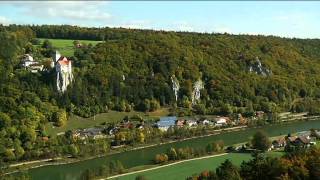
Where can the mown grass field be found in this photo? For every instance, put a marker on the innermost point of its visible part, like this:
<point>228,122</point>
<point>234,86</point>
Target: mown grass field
<point>65,46</point>
<point>185,169</point>
<point>76,122</point>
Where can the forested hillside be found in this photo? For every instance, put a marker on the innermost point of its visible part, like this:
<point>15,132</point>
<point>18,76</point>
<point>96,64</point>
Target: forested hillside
<point>135,65</point>
<point>132,69</point>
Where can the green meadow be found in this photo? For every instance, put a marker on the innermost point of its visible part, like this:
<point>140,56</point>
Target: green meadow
<point>76,122</point>
<point>66,47</point>
<point>185,169</point>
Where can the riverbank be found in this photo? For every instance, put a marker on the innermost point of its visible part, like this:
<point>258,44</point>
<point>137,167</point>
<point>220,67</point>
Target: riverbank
<point>183,161</point>
<point>68,160</point>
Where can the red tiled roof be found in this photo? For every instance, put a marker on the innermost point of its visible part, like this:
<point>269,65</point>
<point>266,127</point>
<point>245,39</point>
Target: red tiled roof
<point>63,61</point>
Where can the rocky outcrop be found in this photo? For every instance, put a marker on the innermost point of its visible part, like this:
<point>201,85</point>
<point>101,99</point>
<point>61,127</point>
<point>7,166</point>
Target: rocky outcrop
<point>175,86</point>
<point>258,68</point>
<point>198,85</point>
<point>64,73</point>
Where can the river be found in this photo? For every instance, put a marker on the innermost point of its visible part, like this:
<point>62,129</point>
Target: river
<point>144,156</point>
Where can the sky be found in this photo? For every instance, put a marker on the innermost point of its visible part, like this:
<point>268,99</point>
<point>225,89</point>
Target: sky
<point>300,19</point>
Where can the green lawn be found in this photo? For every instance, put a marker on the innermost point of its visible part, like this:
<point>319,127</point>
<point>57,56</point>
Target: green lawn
<point>278,153</point>
<point>65,46</point>
<point>183,170</point>
<point>76,122</point>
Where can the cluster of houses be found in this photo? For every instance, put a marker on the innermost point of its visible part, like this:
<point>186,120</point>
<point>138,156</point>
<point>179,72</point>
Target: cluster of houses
<point>163,124</point>
<point>302,139</point>
<point>94,133</point>
<point>172,121</point>
<point>104,132</point>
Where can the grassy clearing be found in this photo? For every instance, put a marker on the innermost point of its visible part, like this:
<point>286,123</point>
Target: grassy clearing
<point>65,46</point>
<point>76,122</point>
<point>275,154</point>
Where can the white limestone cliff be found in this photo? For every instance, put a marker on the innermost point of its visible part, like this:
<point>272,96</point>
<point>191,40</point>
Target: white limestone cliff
<point>259,69</point>
<point>175,86</point>
<point>197,87</point>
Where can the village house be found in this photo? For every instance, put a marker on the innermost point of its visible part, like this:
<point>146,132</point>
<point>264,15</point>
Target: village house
<point>94,133</point>
<point>222,121</point>
<point>259,114</point>
<point>278,143</point>
<point>301,141</point>
<point>27,60</point>
<point>30,64</point>
<point>192,123</point>
<point>34,68</point>
<point>114,130</point>
<point>166,122</point>
<point>241,120</point>
<point>291,139</point>
<point>206,122</point>
<point>180,123</point>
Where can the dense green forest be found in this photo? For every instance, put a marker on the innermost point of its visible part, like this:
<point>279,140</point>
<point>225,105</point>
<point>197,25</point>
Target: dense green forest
<point>132,69</point>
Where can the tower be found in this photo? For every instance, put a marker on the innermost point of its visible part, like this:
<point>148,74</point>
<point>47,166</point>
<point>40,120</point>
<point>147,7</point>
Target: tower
<point>64,73</point>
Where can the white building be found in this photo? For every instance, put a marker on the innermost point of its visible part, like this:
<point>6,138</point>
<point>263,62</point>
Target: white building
<point>221,121</point>
<point>27,60</point>
<point>192,123</point>
<point>64,73</point>
<point>29,63</point>
<point>206,122</point>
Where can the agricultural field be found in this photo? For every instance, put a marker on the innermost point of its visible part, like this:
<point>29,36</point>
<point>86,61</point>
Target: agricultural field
<point>66,47</point>
<point>76,122</point>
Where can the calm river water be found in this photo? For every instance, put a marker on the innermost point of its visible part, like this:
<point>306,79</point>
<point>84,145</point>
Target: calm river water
<point>144,156</point>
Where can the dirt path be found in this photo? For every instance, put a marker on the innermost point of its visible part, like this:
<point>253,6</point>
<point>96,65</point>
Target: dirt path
<point>158,167</point>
